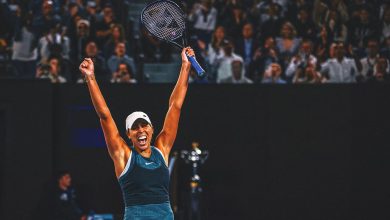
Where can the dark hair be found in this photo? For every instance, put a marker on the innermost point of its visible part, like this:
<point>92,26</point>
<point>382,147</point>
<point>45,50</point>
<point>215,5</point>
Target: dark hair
<point>61,173</point>
<point>130,70</point>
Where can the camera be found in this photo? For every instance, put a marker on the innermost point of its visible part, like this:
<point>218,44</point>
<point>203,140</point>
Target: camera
<point>45,68</point>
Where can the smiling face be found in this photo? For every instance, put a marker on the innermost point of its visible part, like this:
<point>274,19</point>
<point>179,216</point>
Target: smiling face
<point>140,133</point>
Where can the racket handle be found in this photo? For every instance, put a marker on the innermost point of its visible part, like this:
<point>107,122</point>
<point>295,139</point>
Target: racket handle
<point>199,70</point>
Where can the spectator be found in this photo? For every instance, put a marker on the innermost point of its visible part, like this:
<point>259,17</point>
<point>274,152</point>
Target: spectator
<point>385,25</point>
<point>81,39</point>
<point>341,7</point>
<point>306,28</point>
<point>362,29</point>
<point>117,35</point>
<point>24,52</point>
<point>51,71</point>
<point>271,24</point>
<point>294,6</point>
<point>385,48</point>
<point>246,45</point>
<point>336,30</point>
<point>101,72</point>
<point>340,69</point>
<point>263,57</point>
<point>204,17</point>
<point>70,19</point>
<point>91,16</point>
<point>235,22</point>
<point>273,75</point>
<point>64,205</point>
<point>306,75</point>
<point>123,75</point>
<point>43,22</point>
<point>153,49</point>
<point>35,6</point>
<point>215,48</point>
<point>368,63</point>
<point>303,58</point>
<point>54,44</point>
<point>103,27</point>
<point>238,76</point>
<point>223,62</point>
<point>287,44</point>
<point>381,73</point>
<point>120,57</point>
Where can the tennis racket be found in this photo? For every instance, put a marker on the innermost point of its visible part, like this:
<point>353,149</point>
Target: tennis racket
<point>165,20</point>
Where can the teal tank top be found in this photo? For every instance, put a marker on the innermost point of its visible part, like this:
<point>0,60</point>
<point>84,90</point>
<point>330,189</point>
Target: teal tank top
<point>145,180</point>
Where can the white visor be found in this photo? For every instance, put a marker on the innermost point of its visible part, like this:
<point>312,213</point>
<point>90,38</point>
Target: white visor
<point>134,116</point>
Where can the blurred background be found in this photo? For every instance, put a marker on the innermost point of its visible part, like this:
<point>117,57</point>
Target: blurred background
<point>277,150</point>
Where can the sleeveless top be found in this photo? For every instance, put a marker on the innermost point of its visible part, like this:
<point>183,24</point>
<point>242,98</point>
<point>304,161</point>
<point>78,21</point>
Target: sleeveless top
<point>145,180</point>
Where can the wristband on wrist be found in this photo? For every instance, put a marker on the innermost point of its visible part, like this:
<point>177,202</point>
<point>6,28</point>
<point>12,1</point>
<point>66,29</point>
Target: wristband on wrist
<point>89,78</point>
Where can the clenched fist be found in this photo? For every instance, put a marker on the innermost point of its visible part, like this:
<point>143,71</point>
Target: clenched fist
<point>86,67</point>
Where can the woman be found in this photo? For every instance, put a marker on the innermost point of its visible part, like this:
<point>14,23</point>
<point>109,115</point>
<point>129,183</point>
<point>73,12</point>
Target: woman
<point>117,36</point>
<point>287,44</point>
<point>142,169</point>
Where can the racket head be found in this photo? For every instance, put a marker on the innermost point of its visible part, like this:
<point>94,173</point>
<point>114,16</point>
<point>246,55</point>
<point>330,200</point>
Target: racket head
<point>165,20</point>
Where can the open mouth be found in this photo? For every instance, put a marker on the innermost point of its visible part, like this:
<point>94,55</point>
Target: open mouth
<point>142,140</point>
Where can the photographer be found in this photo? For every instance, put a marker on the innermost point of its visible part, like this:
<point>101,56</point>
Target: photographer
<point>302,59</point>
<point>50,70</point>
<point>272,75</point>
<point>123,75</point>
<point>306,75</point>
<point>223,62</point>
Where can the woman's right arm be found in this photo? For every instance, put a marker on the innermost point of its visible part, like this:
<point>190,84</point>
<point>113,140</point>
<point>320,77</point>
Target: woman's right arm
<point>117,147</point>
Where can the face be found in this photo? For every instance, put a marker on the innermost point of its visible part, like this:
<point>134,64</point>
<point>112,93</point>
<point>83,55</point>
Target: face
<point>372,48</point>
<point>107,12</point>
<point>220,33</point>
<point>381,65</point>
<point>286,31</point>
<point>237,69</point>
<point>116,32</point>
<point>47,7</point>
<point>140,134</point>
<point>339,50</point>
<point>306,48</point>
<point>364,16</point>
<point>54,65</point>
<point>303,15</point>
<point>228,49</point>
<point>247,31</point>
<point>123,68</point>
<point>91,49</point>
<point>83,29</point>
<point>65,180</point>
<point>269,43</point>
<point>276,70</point>
<point>120,49</point>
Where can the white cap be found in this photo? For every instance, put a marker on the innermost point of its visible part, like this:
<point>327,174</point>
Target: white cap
<point>134,116</point>
<point>82,21</point>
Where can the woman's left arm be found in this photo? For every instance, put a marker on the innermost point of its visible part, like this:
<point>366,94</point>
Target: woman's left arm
<point>167,136</point>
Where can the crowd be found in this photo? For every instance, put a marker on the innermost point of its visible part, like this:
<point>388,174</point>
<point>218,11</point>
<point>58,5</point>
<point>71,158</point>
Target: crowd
<point>237,41</point>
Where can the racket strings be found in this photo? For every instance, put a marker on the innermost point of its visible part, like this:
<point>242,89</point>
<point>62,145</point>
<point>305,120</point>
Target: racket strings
<point>164,20</point>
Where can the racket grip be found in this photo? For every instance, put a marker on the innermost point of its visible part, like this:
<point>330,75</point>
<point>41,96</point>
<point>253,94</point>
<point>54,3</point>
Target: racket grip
<point>199,70</point>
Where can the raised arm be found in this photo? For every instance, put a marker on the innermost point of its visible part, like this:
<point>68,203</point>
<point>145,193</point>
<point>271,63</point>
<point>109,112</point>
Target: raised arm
<point>117,147</point>
<point>167,136</point>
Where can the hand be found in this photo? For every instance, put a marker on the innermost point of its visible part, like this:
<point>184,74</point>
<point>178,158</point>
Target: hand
<point>202,45</point>
<point>188,51</point>
<point>86,67</point>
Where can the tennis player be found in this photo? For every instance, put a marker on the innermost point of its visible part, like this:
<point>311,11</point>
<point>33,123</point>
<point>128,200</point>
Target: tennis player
<point>141,169</point>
